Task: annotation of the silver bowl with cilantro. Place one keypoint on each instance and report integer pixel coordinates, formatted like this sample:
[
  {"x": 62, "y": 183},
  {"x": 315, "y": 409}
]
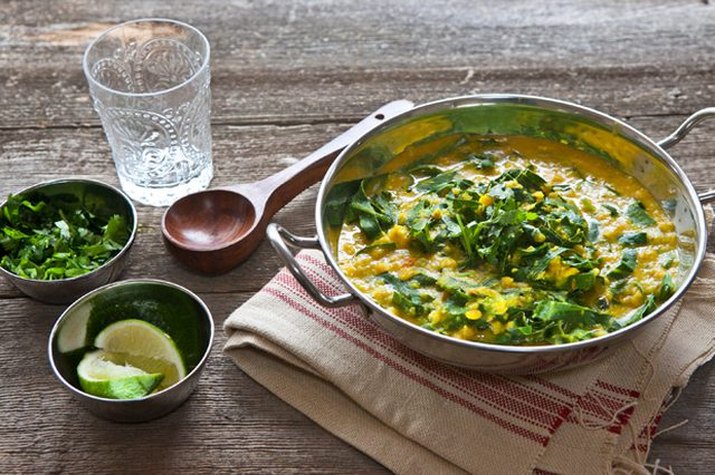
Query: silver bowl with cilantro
[{"x": 62, "y": 238}]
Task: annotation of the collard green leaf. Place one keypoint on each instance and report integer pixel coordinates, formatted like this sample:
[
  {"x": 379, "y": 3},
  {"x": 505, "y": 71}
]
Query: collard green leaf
[
  {"x": 667, "y": 287},
  {"x": 337, "y": 201},
  {"x": 571, "y": 314},
  {"x": 633, "y": 239},
  {"x": 374, "y": 215},
  {"x": 437, "y": 183},
  {"x": 385, "y": 246},
  {"x": 612, "y": 210},
  {"x": 637, "y": 213},
  {"x": 626, "y": 266},
  {"x": 593, "y": 230},
  {"x": 583, "y": 281},
  {"x": 669, "y": 205},
  {"x": 635, "y": 315},
  {"x": 482, "y": 161},
  {"x": 533, "y": 264},
  {"x": 524, "y": 177},
  {"x": 458, "y": 283},
  {"x": 425, "y": 170},
  {"x": 405, "y": 296}
]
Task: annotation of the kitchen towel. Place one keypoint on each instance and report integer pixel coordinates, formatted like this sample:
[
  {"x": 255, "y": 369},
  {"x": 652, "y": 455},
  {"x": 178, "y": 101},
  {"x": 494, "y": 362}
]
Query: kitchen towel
[{"x": 416, "y": 415}]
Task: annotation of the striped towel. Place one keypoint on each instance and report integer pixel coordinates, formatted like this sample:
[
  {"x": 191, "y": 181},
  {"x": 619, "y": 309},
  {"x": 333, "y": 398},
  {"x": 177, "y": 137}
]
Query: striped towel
[{"x": 416, "y": 415}]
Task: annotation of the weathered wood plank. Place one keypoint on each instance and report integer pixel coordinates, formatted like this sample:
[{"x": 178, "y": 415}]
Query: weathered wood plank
[
  {"x": 42, "y": 99},
  {"x": 265, "y": 427},
  {"x": 689, "y": 448},
  {"x": 410, "y": 33},
  {"x": 343, "y": 56}
]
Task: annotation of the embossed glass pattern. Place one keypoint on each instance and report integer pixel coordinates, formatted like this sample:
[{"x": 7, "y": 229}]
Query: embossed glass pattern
[{"x": 150, "y": 84}]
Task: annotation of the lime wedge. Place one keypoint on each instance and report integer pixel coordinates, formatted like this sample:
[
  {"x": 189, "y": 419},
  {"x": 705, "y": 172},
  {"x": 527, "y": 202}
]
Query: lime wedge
[
  {"x": 142, "y": 345},
  {"x": 103, "y": 378},
  {"x": 170, "y": 371},
  {"x": 73, "y": 334}
]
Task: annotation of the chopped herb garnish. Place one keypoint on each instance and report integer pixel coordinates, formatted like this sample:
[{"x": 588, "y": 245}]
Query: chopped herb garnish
[
  {"x": 54, "y": 238},
  {"x": 497, "y": 253}
]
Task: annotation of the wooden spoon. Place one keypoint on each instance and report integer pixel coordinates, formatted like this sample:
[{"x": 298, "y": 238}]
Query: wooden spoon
[{"x": 214, "y": 230}]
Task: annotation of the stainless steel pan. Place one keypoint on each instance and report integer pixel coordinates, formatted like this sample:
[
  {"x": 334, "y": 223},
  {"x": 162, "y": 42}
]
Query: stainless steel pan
[{"x": 599, "y": 133}]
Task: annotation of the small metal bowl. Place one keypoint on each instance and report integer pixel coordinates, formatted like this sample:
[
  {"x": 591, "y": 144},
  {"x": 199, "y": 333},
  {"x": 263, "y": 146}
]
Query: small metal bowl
[
  {"x": 100, "y": 198},
  {"x": 174, "y": 309}
]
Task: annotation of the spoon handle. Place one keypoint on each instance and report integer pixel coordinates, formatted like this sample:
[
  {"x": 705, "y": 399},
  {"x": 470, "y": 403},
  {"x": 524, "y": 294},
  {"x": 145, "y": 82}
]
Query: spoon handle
[{"x": 285, "y": 185}]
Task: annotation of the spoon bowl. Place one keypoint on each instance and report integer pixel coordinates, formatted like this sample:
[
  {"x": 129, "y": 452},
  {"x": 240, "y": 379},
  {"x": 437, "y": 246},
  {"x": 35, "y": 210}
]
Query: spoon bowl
[
  {"x": 212, "y": 231},
  {"x": 210, "y": 219}
]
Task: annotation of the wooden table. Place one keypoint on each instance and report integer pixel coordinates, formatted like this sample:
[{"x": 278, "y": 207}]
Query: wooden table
[{"x": 288, "y": 76}]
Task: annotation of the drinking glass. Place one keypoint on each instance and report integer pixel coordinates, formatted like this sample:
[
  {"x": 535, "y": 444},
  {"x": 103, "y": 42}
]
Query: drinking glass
[{"x": 149, "y": 80}]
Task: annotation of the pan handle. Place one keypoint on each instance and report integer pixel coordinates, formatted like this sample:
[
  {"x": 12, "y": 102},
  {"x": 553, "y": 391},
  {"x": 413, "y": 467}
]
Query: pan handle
[
  {"x": 686, "y": 127},
  {"x": 682, "y": 131},
  {"x": 280, "y": 238}
]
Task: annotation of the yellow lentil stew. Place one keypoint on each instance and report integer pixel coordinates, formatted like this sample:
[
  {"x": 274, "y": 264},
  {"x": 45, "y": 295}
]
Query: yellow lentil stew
[{"x": 506, "y": 239}]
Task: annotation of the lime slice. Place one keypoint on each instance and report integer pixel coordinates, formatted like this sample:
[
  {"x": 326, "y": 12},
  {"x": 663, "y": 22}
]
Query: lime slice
[
  {"x": 170, "y": 371},
  {"x": 142, "y": 345},
  {"x": 102, "y": 378},
  {"x": 73, "y": 334}
]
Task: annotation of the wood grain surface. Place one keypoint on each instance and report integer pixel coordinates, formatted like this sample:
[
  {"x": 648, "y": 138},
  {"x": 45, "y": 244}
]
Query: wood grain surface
[{"x": 287, "y": 77}]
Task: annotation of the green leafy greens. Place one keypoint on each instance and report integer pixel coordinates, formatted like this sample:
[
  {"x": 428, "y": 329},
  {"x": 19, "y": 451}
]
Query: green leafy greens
[
  {"x": 528, "y": 268},
  {"x": 56, "y": 238}
]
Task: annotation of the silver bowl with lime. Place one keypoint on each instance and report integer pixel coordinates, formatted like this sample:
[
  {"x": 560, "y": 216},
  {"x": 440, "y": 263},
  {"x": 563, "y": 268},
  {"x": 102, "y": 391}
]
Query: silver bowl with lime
[
  {"x": 62, "y": 238},
  {"x": 133, "y": 350}
]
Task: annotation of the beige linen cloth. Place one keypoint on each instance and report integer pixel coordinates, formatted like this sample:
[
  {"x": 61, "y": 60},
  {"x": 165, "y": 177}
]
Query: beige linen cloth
[{"x": 415, "y": 415}]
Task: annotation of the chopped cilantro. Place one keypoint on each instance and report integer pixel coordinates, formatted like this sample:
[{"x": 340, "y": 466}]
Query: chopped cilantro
[{"x": 56, "y": 238}]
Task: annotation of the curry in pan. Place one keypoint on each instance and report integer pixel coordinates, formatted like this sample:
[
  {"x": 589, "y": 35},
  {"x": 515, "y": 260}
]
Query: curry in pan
[{"x": 506, "y": 239}]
